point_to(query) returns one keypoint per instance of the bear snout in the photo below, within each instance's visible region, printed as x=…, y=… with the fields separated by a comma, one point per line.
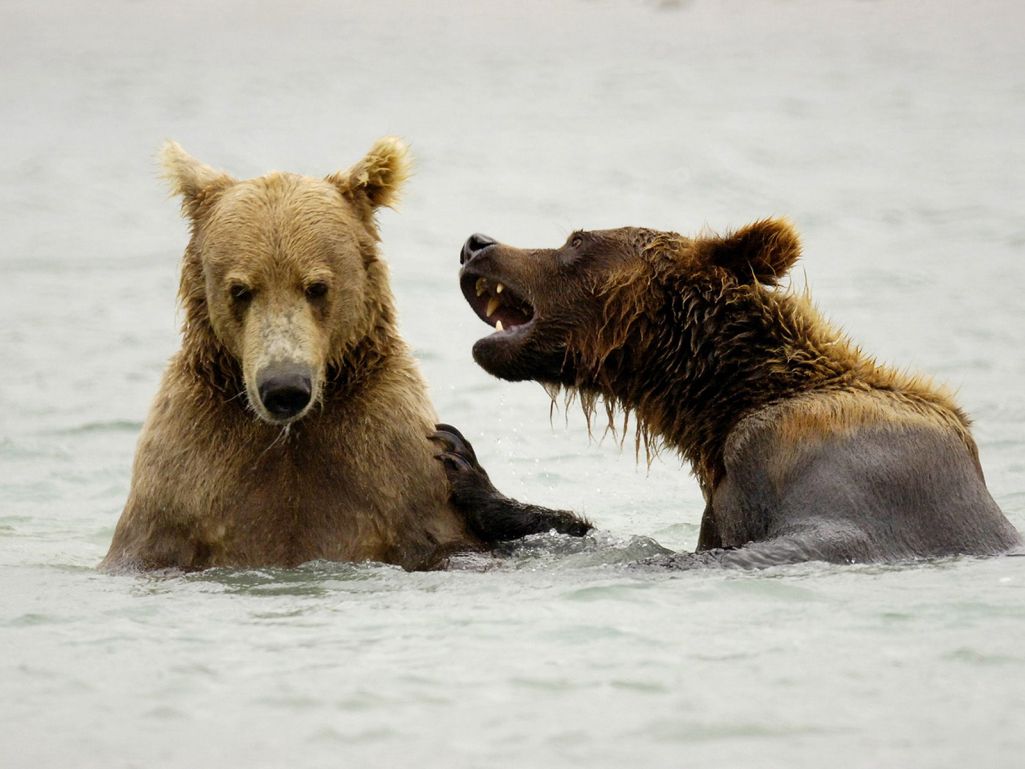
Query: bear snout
x=474, y=245
x=285, y=389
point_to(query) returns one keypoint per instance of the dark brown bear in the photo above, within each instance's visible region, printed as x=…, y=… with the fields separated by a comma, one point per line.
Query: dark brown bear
x=805, y=448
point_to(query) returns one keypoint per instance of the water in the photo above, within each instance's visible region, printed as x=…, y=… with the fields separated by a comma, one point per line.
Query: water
x=889, y=132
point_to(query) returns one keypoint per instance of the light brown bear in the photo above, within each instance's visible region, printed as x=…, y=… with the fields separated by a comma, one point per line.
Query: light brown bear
x=805, y=448
x=293, y=423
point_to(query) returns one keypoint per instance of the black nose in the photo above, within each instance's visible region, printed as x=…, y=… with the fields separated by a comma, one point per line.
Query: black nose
x=474, y=245
x=284, y=390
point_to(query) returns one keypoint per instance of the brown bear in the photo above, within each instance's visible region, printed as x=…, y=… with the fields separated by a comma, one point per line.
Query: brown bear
x=804, y=448
x=293, y=423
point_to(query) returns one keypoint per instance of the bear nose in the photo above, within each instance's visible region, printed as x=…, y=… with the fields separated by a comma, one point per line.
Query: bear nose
x=284, y=390
x=474, y=245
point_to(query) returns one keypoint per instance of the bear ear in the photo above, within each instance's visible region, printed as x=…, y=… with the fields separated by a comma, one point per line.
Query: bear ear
x=763, y=251
x=378, y=176
x=197, y=183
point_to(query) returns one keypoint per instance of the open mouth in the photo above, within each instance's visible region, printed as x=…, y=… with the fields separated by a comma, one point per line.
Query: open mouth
x=497, y=304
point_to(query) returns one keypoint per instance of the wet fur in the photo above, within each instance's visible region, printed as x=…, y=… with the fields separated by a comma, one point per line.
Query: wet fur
x=804, y=447
x=355, y=479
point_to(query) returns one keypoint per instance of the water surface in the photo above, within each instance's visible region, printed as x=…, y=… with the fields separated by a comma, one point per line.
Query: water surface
x=888, y=132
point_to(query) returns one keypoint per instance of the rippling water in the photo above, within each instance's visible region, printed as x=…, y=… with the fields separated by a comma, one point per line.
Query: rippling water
x=889, y=132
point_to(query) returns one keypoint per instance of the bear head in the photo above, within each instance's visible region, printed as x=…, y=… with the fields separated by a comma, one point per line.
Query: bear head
x=560, y=313
x=281, y=279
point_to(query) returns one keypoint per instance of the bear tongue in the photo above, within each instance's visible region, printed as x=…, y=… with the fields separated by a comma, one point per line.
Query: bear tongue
x=502, y=308
x=506, y=317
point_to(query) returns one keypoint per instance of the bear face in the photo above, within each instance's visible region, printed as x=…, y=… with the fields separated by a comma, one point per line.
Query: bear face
x=282, y=297
x=560, y=313
x=281, y=278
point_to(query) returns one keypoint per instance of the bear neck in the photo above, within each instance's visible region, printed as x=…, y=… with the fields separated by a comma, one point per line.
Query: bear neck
x=711, y=353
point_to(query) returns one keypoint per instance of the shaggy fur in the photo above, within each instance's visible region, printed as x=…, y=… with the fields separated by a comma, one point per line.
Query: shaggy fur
x=285, y=269
x=803, y=446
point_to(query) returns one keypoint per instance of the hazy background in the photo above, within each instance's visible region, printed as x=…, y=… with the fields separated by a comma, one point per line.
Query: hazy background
x=889, y=132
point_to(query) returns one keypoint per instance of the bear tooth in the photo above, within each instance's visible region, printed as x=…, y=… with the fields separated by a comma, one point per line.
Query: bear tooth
x=493, y=305
x=481, y=285
x=498, y=288
x=498, y=325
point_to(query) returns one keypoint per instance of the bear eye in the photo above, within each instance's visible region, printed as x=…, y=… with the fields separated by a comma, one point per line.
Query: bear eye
x=316, y=290
x=240, y=293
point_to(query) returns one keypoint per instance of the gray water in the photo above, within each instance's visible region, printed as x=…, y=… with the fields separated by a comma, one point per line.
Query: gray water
x=890, y=133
